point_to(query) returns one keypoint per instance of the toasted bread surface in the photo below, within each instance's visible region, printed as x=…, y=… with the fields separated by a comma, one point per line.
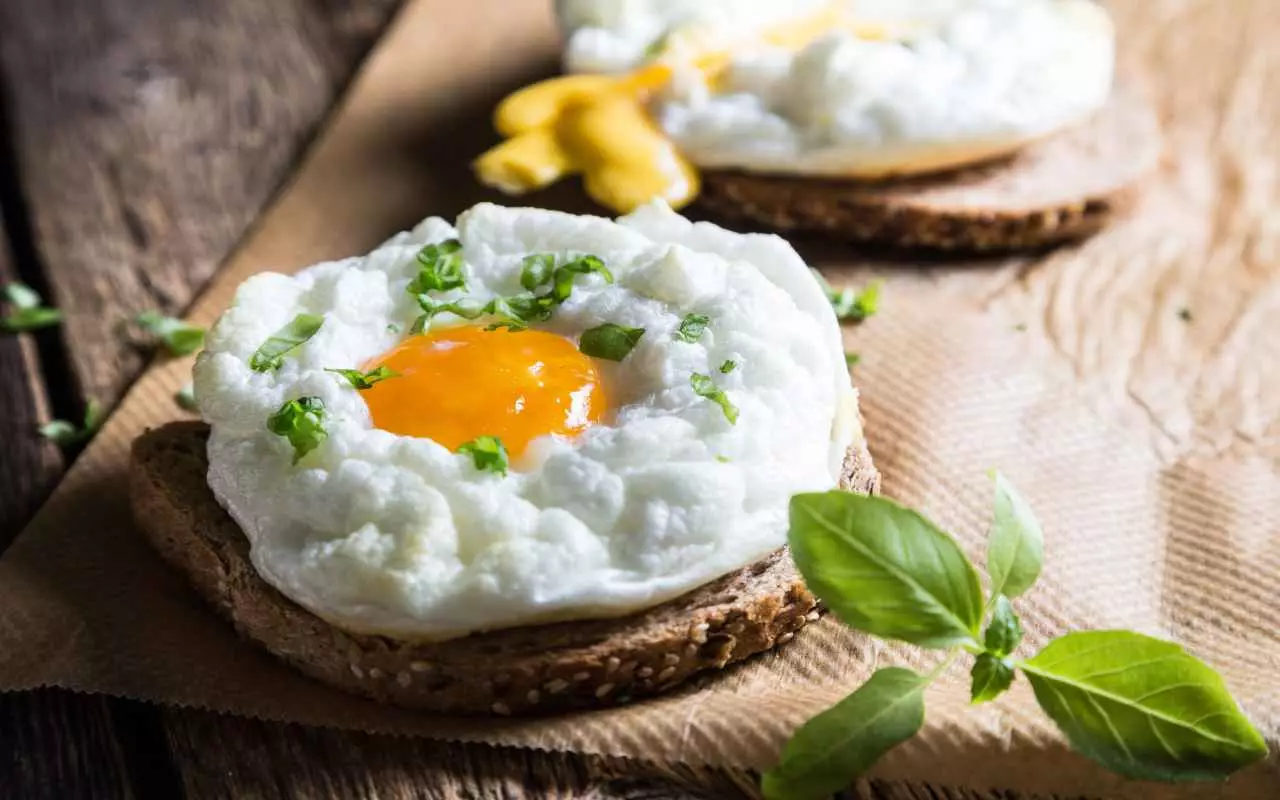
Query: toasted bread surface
x=532, y=669
x=1065, y=187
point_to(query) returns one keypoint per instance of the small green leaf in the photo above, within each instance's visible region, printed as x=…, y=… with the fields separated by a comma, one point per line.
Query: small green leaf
x=536, y=270
x=728, y=366
x=179, y=338
x=1015, y=544
x=1004, y=632
x=703, y=386
x=609, y=341
x=885, y=569
x=66, y=434
x=22, y=296
x=850, y=359
x=439, y=268
x=829, y=751
x=992, y=677
x=365, y=380
x=851, y=306
x=270, y=356
x=28, y=314
x=657, y=47
x=1142, y=707
x=487, y=453
x=393, y=328
x=186, y=398
x=692, y=327
x=1184, y=314
x=302, y=422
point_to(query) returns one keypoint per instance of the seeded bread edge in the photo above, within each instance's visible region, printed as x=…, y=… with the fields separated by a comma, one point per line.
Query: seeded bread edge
x=526, y=670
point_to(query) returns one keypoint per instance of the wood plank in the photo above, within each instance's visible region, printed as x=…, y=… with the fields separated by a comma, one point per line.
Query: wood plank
x=56, y=745
x=266, y=760
x=150, y=134
x=30, y=465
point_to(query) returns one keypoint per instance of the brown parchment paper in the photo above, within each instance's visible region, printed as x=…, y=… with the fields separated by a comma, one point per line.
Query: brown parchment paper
x=1147, y=444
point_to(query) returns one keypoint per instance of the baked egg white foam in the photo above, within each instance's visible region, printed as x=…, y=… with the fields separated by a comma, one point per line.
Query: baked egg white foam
x=908, y=86
x=397, y=535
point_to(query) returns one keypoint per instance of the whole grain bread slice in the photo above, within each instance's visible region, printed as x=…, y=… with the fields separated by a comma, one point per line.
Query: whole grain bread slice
x=1064, y=187
x=524, y=670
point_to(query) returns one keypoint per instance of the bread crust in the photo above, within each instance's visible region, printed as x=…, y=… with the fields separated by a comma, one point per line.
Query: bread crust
x=1065, y=187
x=524, y=670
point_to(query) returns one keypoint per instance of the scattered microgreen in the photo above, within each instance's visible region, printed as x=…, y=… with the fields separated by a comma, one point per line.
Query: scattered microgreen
x=536, y=270
x=657, y=47
x=703, y=386
x=851, y=305
x=487, y=453
x=609, y=341
x=178, y=337
x=270, y=356
x=393, y=328
x=1142, y=707
x=68, y=434
x=728, y=366
x=851, y=359
x=365, y=380
x=1184, y=314
x=186, y=398
x=692, y=327
x=723, y=459
x=27, y=312
x=302, y=422
x=439, y=268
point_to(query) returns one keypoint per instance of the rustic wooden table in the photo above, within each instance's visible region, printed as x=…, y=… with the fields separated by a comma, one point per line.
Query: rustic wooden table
x=138, y=141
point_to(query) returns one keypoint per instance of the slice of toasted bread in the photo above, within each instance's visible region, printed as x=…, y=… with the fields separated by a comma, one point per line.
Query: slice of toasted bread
x=1065, y=187
x=513, y=671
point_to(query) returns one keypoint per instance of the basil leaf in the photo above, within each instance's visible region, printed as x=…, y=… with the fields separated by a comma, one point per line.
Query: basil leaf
x=885, y=569
x=609, y=341
x=992, y=677
x=300, y=421
x=28, y=313
x=692, y=327
x=851, y=306
x=487, y=453
x=365, y=380
x=439, y=268
x=1142, y=707
x=66, y=434
x=1004, y=632
x=1015, y=544
x=703, y=386
x=728, y=366
x=178, y=337
x=536, y=270
x=830, y=750
x=186, y=398
x=270, y=356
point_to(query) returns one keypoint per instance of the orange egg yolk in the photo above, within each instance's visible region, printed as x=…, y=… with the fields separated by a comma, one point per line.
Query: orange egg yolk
x=456, y=384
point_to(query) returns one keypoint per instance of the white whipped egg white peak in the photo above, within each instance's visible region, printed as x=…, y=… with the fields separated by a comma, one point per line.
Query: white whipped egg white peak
x=529, y=416
x=861, y=89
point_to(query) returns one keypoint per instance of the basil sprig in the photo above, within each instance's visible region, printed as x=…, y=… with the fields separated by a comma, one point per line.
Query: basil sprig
x=1140, y=706
x=609, y=341
x=28, y=313
x=178, y=337
x=302, y=422
x=365, y=380
x=488, y=454
x=270, y=356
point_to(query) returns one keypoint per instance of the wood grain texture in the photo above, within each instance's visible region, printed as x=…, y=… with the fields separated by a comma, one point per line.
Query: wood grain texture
x=55, y=745
x=29, y=465
x=150, y=134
